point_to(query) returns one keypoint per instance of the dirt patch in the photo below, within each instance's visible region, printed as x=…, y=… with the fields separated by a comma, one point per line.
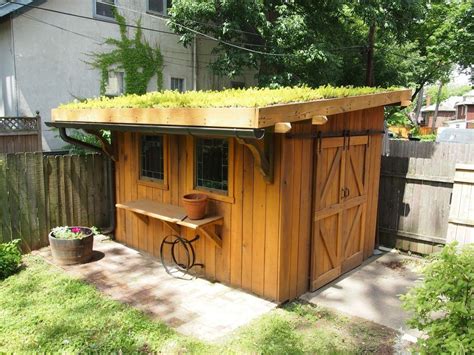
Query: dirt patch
x=394, y=265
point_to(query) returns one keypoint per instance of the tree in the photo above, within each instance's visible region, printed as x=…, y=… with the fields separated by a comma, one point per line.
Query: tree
x=444, y=38
x=339, y=42
x=307, y=42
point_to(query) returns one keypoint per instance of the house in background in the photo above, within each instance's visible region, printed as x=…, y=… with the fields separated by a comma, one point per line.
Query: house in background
x=445, y=113
x=44, y=46
x=465, y=110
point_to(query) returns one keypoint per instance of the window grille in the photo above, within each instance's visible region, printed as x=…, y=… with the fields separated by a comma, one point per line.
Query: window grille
x=212, y=166
x=152, y=158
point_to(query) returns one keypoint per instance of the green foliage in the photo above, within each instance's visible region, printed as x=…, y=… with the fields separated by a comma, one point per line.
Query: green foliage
x=312, y=42
x=302, y=328
x=443, y=303
x=446, y=92
x=65, y=232
x=253, y=97
x=86, y=138
x=326, y=42
x=10, y=258
x=428, y=137
x=274, y=335
x=139, y=61
x=398, y=117
x=44, y=310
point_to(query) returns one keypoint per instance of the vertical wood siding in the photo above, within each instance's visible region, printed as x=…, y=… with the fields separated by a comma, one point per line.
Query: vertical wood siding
x=267, y=229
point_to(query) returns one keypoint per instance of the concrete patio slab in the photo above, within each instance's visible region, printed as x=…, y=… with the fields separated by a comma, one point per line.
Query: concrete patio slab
x=372, y=290
x=206, y=310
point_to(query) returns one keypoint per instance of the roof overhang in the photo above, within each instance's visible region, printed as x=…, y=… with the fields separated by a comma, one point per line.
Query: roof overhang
x=243, y=133
x=228, y=118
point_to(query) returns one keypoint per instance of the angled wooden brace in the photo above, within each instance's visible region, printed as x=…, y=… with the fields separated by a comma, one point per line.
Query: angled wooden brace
x=263, y=156
x=106, y=146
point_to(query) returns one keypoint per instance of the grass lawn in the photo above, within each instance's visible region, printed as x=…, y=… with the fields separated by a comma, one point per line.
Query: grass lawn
x=43, y=309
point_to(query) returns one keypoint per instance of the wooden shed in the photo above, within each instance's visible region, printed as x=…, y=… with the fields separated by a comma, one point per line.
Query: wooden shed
x=293, y=187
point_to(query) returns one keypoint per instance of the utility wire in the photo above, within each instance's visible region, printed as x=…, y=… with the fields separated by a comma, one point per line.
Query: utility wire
x=175, y=34
x=61, y=28
x=171, y=61
x=155, y=30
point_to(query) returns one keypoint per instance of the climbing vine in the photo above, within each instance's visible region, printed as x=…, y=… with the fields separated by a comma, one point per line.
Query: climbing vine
x=139, y=61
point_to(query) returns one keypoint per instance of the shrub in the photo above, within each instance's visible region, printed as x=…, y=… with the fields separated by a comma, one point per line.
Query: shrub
x=10, y=258
x=443, y=303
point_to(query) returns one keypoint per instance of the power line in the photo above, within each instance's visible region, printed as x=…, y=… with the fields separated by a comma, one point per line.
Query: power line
x=171, y=61
x=61, y=28
x=93, y=18
x=202, y=34
x=155, y=30
x=175, y=34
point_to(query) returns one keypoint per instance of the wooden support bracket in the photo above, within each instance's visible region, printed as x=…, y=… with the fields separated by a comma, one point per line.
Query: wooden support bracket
x=143, y=217
x=175, y=228
x=263, y=156
x=106, y=146
x=211, y=235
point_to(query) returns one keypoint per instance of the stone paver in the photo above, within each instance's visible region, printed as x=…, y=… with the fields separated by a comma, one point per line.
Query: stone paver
x=194, y=307
x=372, y=290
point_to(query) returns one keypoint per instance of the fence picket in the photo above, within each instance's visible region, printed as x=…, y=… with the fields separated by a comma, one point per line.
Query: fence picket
x=32, y=201
x=5, y=230
x=25, y=226
x=13, y=197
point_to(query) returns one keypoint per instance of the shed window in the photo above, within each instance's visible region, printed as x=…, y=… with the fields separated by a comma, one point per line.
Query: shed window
x=177, y=84
x=152, y=158
x=212, y=156
x=104, y=8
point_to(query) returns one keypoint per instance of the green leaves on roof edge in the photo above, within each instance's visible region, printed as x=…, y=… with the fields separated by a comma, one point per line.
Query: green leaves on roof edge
x=252, y=97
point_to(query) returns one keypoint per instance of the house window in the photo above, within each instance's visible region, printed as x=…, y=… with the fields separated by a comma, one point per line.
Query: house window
x=159, y=6
x=212, y=163
x=177, y=84
x=104, y=8
x=152, y=158
x=115, y=84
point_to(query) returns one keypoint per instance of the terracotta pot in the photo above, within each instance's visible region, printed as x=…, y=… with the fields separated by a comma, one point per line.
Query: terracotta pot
x=195, y=205
x=72, y=251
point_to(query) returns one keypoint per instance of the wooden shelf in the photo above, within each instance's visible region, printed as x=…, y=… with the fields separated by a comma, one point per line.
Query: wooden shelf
x=173, y=216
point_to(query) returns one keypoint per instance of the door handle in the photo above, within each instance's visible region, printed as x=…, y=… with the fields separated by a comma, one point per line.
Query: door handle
x=345, y=192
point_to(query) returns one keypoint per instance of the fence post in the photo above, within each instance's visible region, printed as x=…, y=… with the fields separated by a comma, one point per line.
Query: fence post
x=40, y=132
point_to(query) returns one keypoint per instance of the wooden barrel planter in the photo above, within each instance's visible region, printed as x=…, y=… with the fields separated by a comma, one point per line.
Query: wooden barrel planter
x=72, y=251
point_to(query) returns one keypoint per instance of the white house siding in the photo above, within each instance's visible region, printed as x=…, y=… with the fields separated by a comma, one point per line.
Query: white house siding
x=49, y=62
x=7, y=70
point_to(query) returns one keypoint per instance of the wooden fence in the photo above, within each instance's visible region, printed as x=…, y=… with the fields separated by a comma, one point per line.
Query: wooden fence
x=415, y=193
x=38, y=192
x=20, y=134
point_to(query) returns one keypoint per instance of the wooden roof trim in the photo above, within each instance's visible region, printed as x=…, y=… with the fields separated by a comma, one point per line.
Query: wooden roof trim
x=269, y=116
x=234, y=117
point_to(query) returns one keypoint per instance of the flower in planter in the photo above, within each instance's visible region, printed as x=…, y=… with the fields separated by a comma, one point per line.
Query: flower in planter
x=65, y=232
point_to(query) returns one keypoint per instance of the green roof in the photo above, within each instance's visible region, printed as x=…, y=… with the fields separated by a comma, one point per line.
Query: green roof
x=252, y=97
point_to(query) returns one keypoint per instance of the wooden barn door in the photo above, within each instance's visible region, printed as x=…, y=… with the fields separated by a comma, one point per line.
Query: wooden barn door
x=340, y=195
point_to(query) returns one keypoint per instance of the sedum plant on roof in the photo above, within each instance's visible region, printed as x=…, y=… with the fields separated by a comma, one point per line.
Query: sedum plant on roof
x=252, y=97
